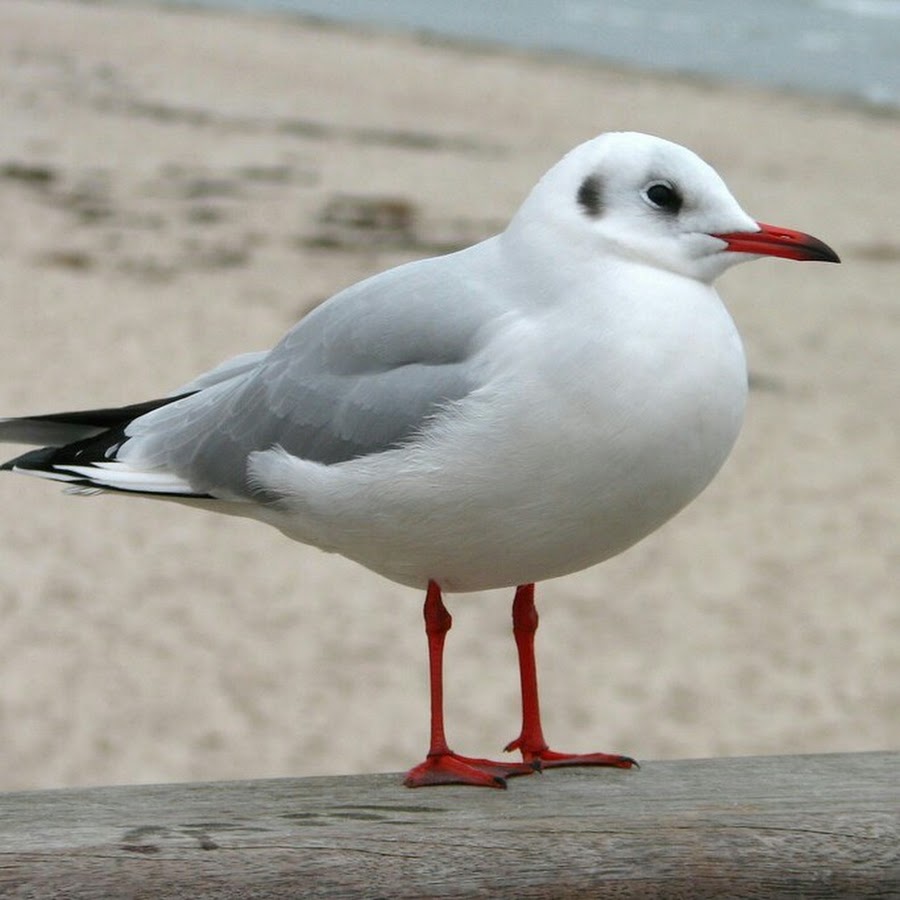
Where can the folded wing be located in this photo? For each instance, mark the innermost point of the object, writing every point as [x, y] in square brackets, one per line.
[363, 373]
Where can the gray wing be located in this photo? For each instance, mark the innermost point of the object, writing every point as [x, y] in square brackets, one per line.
[226, 371]
[360, 374]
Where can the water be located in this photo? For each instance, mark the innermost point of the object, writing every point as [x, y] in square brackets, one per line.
[843, 48]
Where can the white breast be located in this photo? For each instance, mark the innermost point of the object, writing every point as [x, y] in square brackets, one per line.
[593, 427]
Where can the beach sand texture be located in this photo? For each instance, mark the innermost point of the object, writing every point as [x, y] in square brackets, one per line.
[179, 186]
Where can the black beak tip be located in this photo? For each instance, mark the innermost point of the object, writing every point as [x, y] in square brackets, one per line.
[826, 254]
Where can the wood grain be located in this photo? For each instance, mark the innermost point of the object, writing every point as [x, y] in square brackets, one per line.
[800, 826]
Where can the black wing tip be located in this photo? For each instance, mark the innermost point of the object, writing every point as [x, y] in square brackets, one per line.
[108, 417]
[107, 434]
[34, 461]
[44, 461]
[102, 431]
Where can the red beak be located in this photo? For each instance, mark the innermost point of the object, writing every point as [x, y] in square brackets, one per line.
[771, 240]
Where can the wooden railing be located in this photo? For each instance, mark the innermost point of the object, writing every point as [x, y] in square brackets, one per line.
[767, 827]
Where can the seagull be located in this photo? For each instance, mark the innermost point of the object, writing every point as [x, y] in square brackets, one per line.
[511, 412]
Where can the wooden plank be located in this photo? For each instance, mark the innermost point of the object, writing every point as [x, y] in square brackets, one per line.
[801, 826]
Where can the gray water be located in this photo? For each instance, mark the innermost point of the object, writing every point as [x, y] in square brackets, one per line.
[840, 48]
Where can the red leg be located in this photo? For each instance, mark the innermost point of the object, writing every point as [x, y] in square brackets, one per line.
[531, 741]
[442, 765]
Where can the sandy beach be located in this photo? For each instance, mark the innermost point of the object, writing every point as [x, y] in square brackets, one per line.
[178, 186]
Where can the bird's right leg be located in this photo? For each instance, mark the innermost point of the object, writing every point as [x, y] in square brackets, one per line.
[442, 765]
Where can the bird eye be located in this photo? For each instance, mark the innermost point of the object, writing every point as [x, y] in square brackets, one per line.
[663, 196]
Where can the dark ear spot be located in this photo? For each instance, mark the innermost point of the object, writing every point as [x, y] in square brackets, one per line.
[590, 195]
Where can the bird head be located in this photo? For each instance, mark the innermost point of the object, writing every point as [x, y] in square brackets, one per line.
[636, 197]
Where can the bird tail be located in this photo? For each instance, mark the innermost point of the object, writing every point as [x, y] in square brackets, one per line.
[79, 448]
[58, 429]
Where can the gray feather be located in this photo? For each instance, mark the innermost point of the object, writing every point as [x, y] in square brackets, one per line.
[362, 373]
[231, 368]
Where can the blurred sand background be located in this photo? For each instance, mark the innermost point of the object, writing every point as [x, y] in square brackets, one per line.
[171, 188]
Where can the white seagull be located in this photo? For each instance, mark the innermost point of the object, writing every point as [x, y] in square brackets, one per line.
[516, 411]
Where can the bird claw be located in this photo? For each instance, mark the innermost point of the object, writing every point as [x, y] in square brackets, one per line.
[451, 768]
[549, 759]
[545, 758]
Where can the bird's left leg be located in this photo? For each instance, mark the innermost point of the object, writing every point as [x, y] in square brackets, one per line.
[530, 741]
